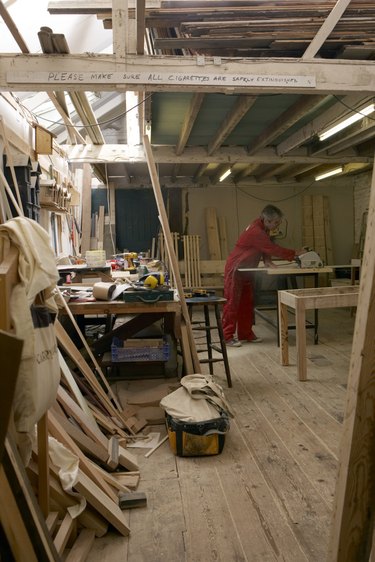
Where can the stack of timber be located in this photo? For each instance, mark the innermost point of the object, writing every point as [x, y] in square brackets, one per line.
[92, 425]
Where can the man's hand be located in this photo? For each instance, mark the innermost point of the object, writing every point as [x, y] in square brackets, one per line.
[270, 264]
[300, 251]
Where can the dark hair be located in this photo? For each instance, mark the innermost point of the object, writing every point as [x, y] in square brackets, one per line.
[271, 212]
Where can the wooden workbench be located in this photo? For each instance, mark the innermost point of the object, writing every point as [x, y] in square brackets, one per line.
[291, 272]
[142, 315]
[301, 300]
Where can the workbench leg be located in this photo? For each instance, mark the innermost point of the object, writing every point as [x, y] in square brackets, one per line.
[208, 337]
[283, 332]
[301, 339]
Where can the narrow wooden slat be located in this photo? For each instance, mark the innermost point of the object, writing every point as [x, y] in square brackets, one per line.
[81, 546]
[102, 503]
[66, 529]
[43, 464]
[172, 257]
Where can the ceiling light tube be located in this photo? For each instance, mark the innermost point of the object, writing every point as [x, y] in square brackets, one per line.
[347, 122]
[333, 172]
[225, 174]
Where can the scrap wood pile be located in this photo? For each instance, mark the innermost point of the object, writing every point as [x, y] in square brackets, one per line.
[88, 420]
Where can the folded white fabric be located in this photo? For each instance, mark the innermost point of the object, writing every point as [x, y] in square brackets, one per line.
[198, 399]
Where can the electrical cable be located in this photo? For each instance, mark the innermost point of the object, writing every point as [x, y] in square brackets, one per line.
[352, 108]
[275, 200]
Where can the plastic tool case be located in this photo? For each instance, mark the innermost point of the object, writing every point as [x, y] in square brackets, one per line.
[193, 439]
[148, 295]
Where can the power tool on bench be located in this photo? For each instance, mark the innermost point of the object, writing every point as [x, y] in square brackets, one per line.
[309, 259]
[129, 257]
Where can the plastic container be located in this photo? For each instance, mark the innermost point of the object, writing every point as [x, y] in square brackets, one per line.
[157, 349]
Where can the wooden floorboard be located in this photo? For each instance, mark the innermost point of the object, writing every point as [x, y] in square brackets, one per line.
[268, 495]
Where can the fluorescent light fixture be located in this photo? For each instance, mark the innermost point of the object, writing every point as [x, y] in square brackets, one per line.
[347, 122]
[333, 172]
[225, 175]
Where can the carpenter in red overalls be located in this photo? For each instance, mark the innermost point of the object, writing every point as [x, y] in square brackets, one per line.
[253, 244]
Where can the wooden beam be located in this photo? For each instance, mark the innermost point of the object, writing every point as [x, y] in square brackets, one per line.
[334, 114]
[354, 505]
[284, 121]
[97, 72]
[189, 120]
[171, 254]
[241, 107]
[13, 28]
[140, 17]
[109, 153]
[326, 29]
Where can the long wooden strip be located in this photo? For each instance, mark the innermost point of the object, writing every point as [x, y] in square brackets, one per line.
[23, 505]
[172, 257]
[69, 379]
[85, 443]
[10, 353]
[13, 524]
[352, 528]
[87, 423]
[100, 501]
[81, 547]
[63, 534]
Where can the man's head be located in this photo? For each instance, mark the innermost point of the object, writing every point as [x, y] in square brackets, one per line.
[272, 217]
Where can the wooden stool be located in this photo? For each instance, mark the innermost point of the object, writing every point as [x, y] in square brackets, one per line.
[206, 302]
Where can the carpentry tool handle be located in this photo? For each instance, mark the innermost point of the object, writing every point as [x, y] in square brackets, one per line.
[156, 299]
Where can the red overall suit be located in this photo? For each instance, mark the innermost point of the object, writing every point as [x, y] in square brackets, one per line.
[238, 312]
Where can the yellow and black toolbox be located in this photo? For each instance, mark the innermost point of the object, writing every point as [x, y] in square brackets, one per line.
[193, 439]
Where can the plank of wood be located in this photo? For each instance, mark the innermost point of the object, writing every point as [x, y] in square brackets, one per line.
[127, 480]
[81, 547]
[110, 479]
[212, 234]
[23, 517]
[102, 503]
[85, 443]
[43, 464]
[10, 353]
[13, 524]
[52, 521]
[87, 423]
[73, 386]
[352, 526]
[66, 529]
[129, 500]
[171, 254]
[113, 452]
[86, 208]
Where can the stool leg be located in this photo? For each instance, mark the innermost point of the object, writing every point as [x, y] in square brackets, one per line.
[222, 345]
[208, 337]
